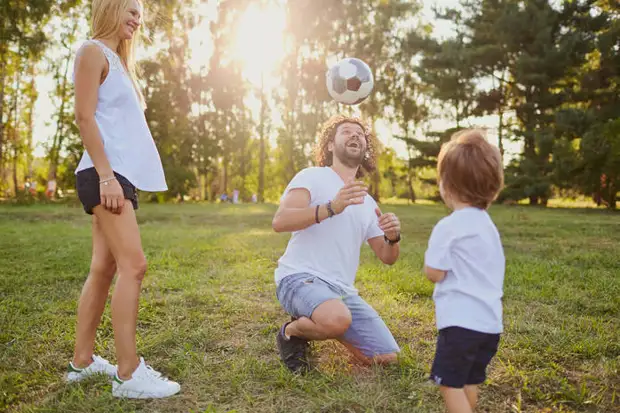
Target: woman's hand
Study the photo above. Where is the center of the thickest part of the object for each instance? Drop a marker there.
(112, 196)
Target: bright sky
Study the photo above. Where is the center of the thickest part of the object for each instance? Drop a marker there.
(248, 48)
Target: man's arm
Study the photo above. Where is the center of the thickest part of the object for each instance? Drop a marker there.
(295, 212)
(388, 254)
(390, 225)
(434, 274)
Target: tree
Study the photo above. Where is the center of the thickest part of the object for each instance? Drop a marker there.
(586, 153)
(23, 43)
(66, 130)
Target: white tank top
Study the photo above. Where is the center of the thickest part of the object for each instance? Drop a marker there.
(127, 140)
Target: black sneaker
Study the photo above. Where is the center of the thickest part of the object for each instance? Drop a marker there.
(293, 351)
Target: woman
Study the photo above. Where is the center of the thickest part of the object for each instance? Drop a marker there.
(120, 156)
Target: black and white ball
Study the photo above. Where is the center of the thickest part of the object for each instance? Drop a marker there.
(350, 81)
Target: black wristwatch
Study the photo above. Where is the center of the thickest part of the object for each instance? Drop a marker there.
(392, 242)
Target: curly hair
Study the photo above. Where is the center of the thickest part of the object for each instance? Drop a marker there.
(324, 157)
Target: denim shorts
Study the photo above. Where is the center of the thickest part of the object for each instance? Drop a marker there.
(301, 294)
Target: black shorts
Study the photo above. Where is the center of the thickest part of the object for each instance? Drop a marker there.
(462, 356)
(88, 189)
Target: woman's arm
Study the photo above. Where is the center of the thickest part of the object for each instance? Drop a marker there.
(90, 64)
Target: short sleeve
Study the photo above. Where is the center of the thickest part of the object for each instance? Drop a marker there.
(373, 229)
(438, 254)
(303, 180)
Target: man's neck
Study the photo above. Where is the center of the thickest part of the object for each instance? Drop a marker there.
(346, 173)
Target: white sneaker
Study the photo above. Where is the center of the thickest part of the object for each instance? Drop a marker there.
(145, 383)
(98, 366)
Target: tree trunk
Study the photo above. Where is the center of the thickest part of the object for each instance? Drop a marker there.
(212, 178)
(4, 171)
(16, 137)
(612, 199)
(500, 131)
(261, 162)
(376, 177)
(530, 154)
(202, 183)
(59, 136)
(500, 112)
(15, 159)
(2, 84)
(30, 125)
(374, 186)
(225, 169)
(412, 195)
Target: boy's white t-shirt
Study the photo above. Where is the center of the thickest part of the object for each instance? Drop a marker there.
(329, 250)
(468, 246)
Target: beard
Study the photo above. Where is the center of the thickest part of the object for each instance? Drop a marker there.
(349, 157)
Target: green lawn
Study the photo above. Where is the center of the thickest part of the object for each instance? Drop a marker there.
(209, 315)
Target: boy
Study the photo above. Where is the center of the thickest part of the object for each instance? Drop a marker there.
(465, 260)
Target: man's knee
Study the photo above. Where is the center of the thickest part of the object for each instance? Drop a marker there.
(336, 325)
(384, 359)
(380, 359)
(332, 317)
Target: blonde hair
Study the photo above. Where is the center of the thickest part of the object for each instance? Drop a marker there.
(470, 168)
(105, 23)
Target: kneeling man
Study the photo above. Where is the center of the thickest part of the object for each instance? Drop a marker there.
(331, 215)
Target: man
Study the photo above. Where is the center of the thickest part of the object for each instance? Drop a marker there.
(331, 215)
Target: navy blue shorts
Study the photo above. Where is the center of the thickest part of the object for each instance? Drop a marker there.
(88, 190)
(462, 356)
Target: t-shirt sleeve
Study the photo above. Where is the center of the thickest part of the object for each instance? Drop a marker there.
(373, 229)
(438, 254)
(303, 180)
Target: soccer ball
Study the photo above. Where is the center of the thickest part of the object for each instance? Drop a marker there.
(349, 81)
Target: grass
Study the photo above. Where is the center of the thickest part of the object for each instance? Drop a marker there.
(209, 315)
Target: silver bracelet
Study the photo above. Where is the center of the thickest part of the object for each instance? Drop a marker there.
(105, 181)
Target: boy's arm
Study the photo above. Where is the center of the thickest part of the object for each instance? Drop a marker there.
(434, 274)
(438, 253)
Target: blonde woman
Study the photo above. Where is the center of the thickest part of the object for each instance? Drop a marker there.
(119, 158)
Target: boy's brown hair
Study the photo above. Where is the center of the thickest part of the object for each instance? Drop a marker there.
(470, 169)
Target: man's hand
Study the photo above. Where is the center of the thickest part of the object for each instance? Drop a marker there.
(352, 193)
(389, 224)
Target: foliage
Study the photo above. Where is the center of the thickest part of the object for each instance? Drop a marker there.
(546, 71)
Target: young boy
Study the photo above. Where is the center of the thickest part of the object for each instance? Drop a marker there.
(465, 260)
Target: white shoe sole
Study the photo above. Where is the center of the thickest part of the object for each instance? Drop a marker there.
(133, 394)
(76, 377)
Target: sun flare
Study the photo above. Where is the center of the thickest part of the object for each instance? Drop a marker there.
(259, 40)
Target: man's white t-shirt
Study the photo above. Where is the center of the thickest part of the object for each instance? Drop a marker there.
(329, 250)
(467, 245)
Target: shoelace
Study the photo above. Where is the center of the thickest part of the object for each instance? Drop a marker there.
(155, 374)
(100, 360)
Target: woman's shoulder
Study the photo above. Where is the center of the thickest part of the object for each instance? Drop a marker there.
(89, 58)
(90, 49)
